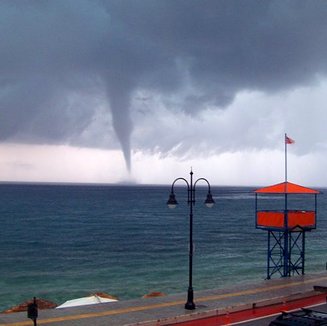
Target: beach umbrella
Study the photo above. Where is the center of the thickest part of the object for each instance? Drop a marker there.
(95, 298)
(41, 304)
(154, 295)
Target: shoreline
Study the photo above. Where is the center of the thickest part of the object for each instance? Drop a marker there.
(235, 303)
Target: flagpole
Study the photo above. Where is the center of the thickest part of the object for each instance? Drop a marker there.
(286, 237)
(287, 245)
(285, 142)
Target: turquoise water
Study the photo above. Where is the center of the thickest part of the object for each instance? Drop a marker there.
(61, 242)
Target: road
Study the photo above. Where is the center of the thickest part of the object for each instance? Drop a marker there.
(267, 320)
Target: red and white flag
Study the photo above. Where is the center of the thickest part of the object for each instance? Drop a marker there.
(289, 140)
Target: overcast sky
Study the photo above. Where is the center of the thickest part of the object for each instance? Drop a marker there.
(127, 90)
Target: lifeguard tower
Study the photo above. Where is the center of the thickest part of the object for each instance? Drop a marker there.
(286, 220)
(286, 226)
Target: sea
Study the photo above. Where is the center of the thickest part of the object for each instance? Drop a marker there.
(64, 241)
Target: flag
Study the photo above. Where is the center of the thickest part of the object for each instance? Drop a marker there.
(289, 140)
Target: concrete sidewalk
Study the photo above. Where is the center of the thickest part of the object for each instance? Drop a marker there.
(170, 310)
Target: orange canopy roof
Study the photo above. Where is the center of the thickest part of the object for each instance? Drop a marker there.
(286, 188)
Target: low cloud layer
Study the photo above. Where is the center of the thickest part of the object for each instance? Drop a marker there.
(122, 74)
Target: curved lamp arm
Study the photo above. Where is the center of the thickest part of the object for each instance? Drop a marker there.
(172, 202)
(209, 202)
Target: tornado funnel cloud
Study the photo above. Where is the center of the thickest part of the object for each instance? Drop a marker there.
(126, 148)
(122, 124)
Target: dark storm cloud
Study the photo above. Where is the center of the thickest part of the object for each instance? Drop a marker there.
(61, 60)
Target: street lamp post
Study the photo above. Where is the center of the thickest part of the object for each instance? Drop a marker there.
(172, 202)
